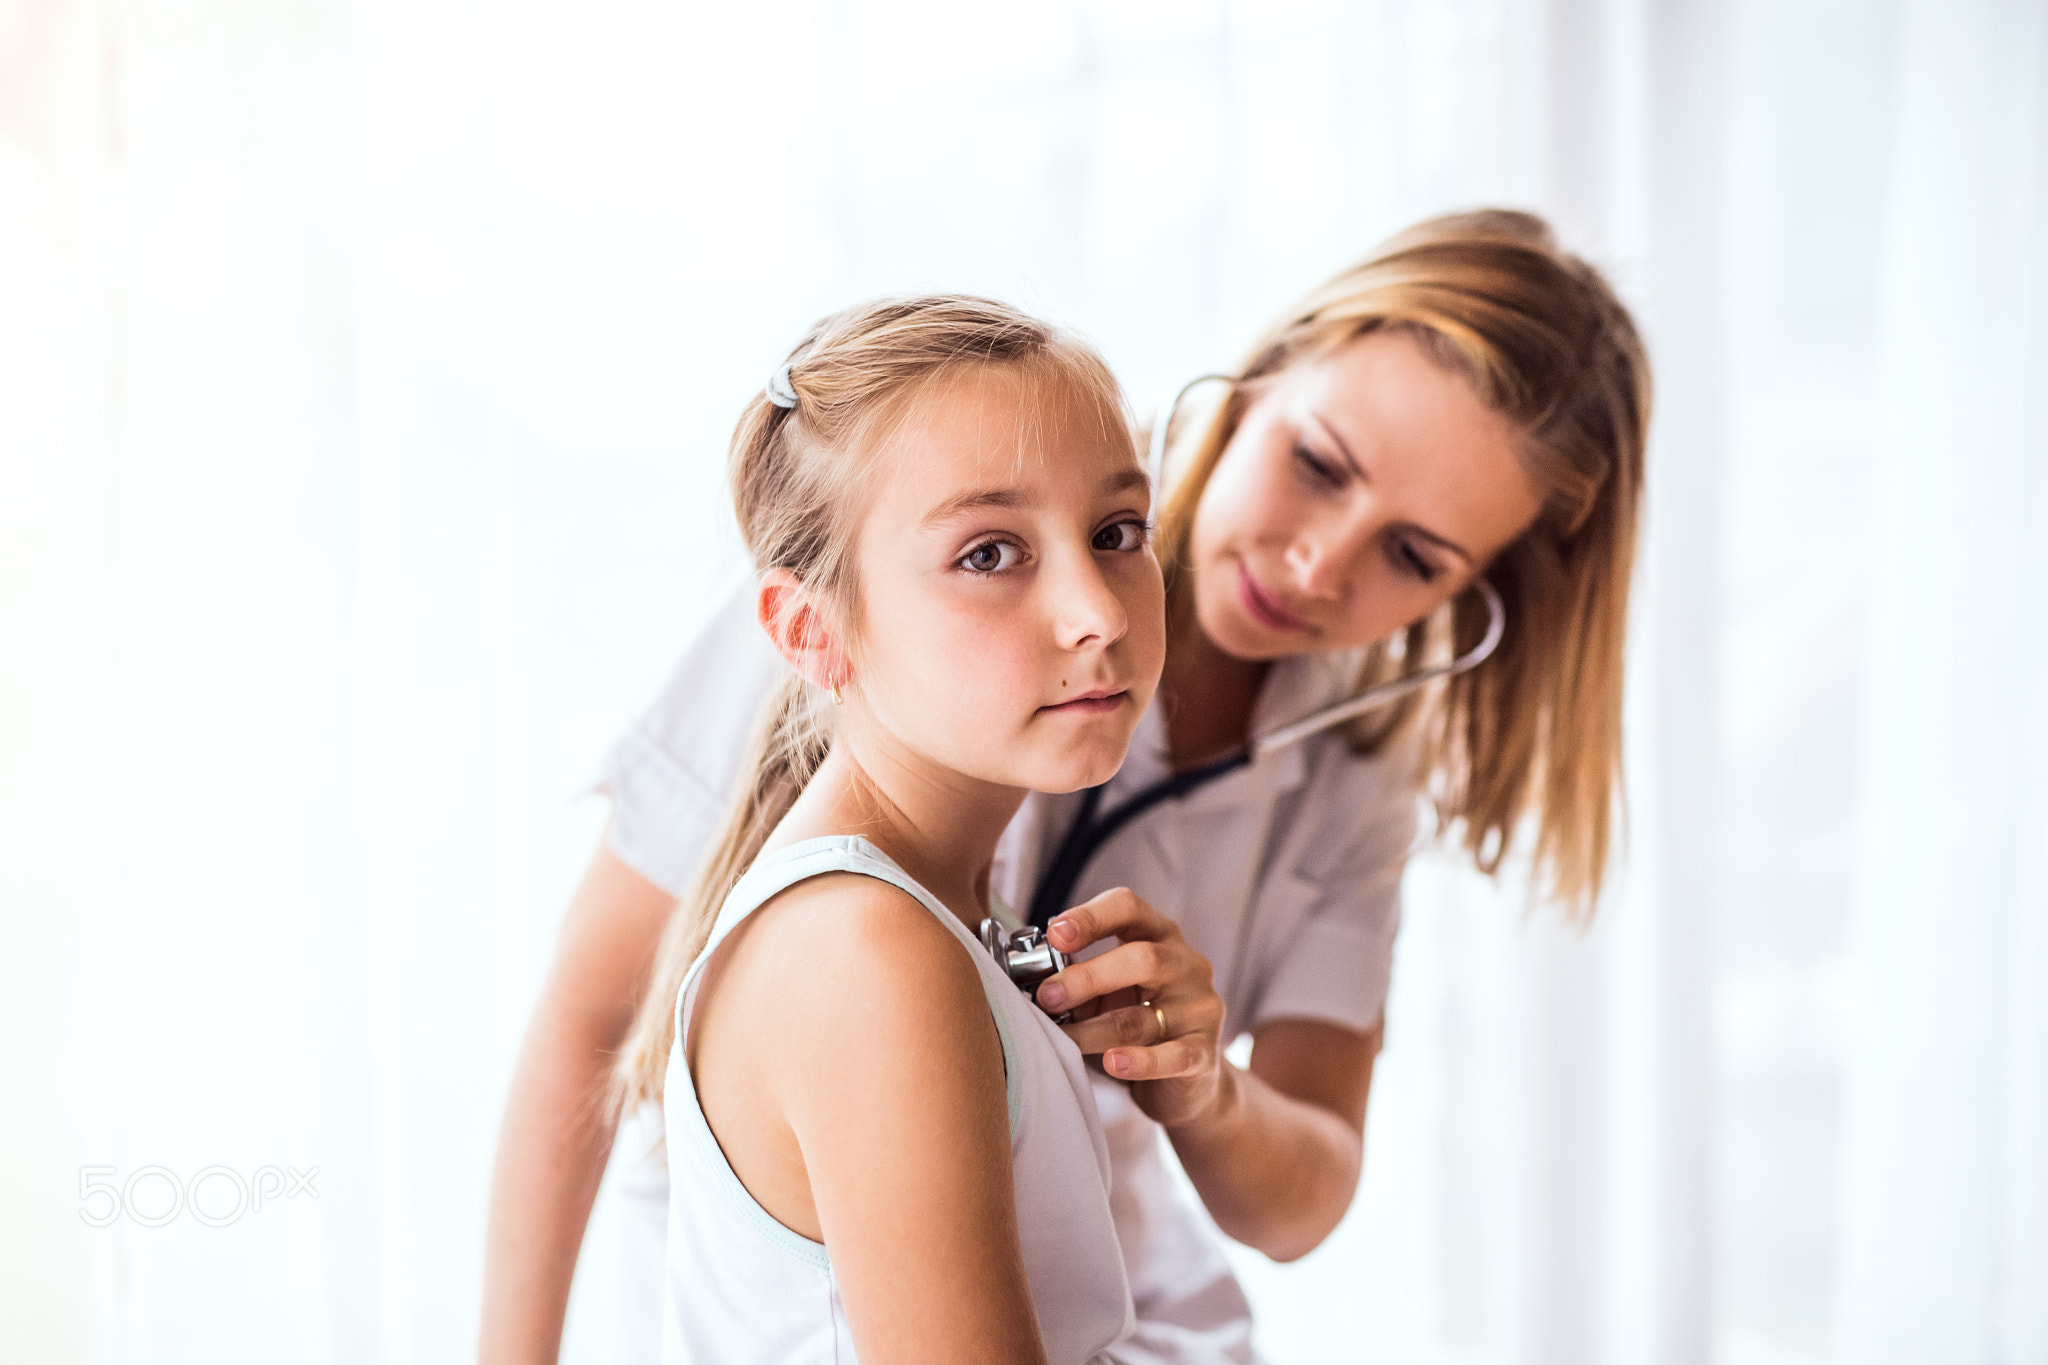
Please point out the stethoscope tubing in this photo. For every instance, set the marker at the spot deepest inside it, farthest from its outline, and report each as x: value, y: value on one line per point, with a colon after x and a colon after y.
x: 1389, y: 692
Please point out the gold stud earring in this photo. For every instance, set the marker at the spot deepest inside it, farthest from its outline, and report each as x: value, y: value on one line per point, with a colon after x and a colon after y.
x: 837, y: 700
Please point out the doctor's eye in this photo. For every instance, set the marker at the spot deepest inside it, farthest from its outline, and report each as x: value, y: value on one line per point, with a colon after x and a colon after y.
x: 1317, y: 468
x: 1411, y: 562
x: 1124, y: 535
x: 991, y: 557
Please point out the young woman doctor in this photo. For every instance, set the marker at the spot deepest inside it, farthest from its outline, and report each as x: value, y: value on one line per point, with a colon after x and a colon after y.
x: 1470, y: 401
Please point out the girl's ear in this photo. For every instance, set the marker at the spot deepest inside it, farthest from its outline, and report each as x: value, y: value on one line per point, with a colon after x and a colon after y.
x: 796, y: 622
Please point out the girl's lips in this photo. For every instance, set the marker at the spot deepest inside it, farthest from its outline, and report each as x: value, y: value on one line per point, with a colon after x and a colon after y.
x: 1090, y: 703
x: 1263, y: 606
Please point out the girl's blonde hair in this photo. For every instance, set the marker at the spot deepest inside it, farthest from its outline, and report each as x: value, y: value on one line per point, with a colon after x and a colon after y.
x: 802, y: 479
x: 1547, y: 345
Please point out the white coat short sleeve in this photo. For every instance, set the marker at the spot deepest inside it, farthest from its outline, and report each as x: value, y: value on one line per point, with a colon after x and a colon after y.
x: 1336, y: 962
x: 671, y: 775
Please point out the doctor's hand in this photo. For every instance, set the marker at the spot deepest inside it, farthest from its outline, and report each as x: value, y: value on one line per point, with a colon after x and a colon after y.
x: 1147, y: 1006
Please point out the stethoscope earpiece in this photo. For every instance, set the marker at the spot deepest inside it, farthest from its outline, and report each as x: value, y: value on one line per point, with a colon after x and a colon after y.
x: 1155, y: 459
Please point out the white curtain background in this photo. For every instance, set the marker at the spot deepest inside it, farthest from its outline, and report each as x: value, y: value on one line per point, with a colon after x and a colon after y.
x: 365, y: 372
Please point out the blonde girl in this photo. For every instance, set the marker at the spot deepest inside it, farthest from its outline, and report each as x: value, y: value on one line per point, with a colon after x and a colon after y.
x: 879, y: 1147
x: 1469, y: 401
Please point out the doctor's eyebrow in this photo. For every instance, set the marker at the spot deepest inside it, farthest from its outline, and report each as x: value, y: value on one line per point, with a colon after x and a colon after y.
x: 1424, y: 533
x: 1011, y: 499
x: 1356, y: 468
x: 1342, y: 448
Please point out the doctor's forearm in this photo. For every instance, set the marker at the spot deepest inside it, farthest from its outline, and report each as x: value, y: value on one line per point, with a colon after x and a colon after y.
x: 557, y: 1135
x: 1275, y: 1172
x: 551, y: 1157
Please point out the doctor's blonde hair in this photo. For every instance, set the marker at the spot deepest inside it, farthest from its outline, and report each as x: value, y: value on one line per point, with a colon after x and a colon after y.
x: 802, y: 479
x: 1535, y: 731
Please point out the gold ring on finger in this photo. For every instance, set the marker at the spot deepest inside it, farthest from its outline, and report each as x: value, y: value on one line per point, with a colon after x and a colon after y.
x: 1160, y: 1015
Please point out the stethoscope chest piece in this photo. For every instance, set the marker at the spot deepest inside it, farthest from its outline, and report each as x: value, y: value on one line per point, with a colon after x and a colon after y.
x: 1024, y: 956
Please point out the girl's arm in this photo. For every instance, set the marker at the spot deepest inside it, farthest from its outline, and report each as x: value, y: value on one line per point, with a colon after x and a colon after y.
x: 1275, y: 1152
x: 848, y: 1064
x: 556, y: 1137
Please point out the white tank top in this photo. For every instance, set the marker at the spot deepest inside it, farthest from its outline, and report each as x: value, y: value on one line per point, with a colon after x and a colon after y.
x: 742, y: 1287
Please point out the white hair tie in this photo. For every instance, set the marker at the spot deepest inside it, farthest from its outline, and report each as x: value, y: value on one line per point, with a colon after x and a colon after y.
x: 779, y: 391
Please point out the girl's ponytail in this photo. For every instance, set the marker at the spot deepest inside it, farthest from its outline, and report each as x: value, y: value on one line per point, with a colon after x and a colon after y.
x: 788, y: 744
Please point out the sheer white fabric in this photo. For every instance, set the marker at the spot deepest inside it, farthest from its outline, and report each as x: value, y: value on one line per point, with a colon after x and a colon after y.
x: 365, y: 372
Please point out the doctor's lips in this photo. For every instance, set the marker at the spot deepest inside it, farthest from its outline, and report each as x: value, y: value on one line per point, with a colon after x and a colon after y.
x: 1092, y: 702
x: 1263, y: 606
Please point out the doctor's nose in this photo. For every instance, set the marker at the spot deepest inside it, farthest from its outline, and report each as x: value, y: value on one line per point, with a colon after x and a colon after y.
x: 1320, y: 558
x: 1316, y: 572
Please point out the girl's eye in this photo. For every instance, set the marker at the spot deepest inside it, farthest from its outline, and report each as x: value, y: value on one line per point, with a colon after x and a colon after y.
x: 1124, y: 535
x: 991, y: 556
x: 1318, y: 468
x: 1408, y: 561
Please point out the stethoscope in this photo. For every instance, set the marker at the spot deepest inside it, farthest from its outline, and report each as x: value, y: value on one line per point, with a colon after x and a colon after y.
x: 1092, y: 827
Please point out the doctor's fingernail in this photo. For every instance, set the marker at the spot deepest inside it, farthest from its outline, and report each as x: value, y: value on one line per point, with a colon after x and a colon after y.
x: 1052, y: 995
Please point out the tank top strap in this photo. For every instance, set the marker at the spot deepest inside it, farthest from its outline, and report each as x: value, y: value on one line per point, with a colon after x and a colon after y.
x: 777, y: 872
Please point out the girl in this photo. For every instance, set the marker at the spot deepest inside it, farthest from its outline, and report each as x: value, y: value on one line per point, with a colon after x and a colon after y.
x: 1469, y: 400
x: 878, y: 1145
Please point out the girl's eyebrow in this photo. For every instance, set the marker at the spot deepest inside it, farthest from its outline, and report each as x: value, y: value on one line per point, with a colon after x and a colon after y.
x: 974, y: 500
x: 1011, y: 499
x: 1125, y: 481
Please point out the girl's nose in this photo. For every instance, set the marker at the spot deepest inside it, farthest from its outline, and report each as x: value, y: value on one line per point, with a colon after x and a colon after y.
x: 1085, y: 611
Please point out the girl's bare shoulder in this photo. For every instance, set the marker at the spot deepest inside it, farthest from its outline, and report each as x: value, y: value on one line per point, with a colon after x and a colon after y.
x: 843, y: 948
